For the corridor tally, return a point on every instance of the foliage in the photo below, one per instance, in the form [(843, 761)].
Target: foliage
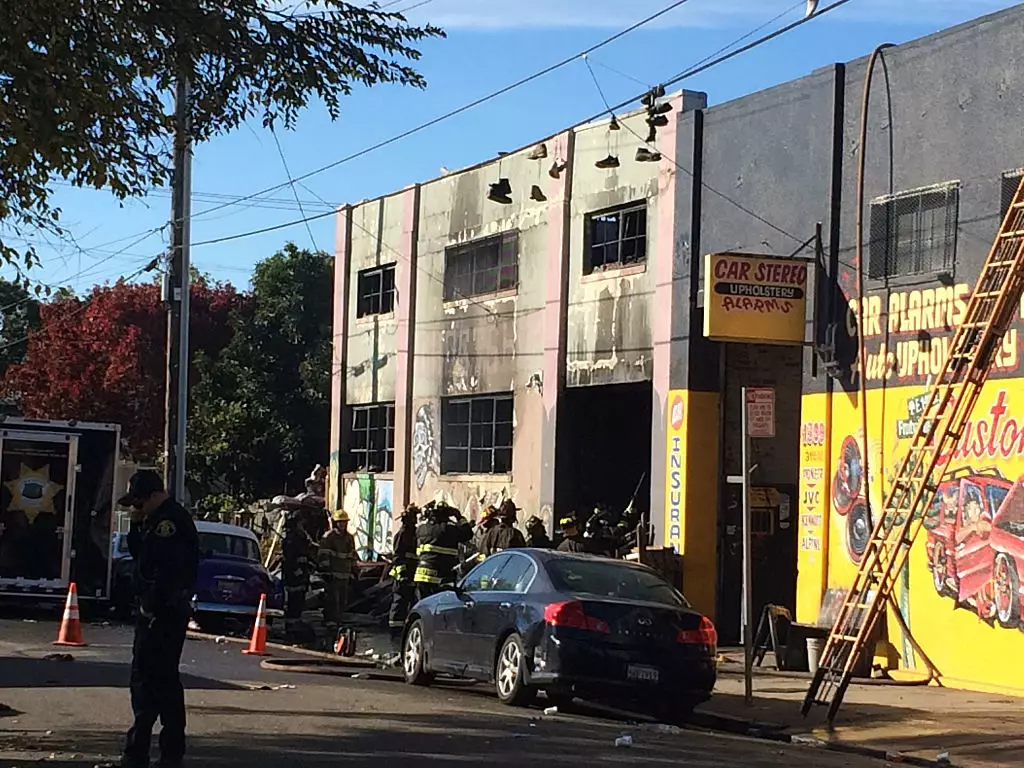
[(102, 358), (19, 313), (88, 83), (261, 410)]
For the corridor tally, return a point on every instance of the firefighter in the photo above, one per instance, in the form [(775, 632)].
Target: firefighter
[(336, 559), (599, 533), (296, 568), (537, 534), (165, 551), (437, 548), (488, 520), (403, 590), (572, 540), (504, 535)]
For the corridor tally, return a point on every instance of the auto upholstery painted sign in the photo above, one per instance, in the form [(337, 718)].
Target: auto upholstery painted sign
[(759, 299)]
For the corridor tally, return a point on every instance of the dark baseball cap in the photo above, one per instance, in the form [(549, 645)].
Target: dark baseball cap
[(141, 486)]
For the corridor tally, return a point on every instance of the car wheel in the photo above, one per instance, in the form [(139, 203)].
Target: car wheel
[(1007, 592), (510, 674), (414, 656)]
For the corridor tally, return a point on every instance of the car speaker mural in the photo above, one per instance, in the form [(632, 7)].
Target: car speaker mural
[(849, 500)]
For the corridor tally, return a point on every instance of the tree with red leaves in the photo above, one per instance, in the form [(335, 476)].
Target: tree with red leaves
[(102, 358)]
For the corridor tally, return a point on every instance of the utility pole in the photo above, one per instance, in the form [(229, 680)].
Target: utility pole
[(176, 294)]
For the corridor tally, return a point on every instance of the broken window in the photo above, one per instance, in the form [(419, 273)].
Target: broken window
[(476, 435), (376, 289), (372, 439), (1010, 182), (616, 238), (482, 267), (914, 233)]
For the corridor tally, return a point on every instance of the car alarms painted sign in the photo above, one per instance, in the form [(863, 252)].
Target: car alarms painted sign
[(759, 299)]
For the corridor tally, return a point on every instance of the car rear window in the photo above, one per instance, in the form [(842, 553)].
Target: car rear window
[(609, 578), (226, 544)]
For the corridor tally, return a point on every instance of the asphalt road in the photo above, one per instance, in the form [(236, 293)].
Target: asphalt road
[(73, 713)]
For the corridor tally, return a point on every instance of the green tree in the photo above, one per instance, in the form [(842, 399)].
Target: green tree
[(260, 414), (87, 85), (19, 314)]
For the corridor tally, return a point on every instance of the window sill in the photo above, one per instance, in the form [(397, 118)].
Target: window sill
[(367, 320), (389, 475), (485, 297), (615, 272), (465, 477)]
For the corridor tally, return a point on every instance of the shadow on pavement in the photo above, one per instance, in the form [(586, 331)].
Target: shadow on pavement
[(20, 672)]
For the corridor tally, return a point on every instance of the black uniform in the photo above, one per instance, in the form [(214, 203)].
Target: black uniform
[(296, 566), (437, 550), (403, 590), (503, 536), (165, 551), (574, 544)]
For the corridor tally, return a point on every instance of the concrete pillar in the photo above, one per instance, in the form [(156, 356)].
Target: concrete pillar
[(405, 310), (339, 352)]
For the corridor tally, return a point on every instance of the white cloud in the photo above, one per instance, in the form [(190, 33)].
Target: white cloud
[(616, 14)]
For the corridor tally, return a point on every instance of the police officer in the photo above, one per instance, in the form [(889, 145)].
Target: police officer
[(164, 546), (403, 590), (505, 535), (295, 568), (537, 534), (336, 559), (437, 548), (572, 540)]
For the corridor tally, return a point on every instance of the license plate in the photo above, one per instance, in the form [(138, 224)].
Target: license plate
[(642, 674), (229, 587)]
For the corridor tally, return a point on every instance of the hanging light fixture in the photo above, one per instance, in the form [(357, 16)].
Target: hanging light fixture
[(501, 192)]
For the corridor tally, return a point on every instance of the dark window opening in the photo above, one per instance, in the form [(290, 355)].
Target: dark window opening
[(616, 238), (376, 291), (1011, 181), (476, 435), (914, 234), (482, 267), (372, 440)]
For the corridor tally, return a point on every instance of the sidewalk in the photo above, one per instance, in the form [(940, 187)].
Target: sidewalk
[(914, 720)]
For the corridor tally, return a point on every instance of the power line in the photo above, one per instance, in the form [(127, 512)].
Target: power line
[(295, 192)]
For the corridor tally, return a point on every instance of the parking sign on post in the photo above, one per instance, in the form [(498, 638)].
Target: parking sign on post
[(760, 412)]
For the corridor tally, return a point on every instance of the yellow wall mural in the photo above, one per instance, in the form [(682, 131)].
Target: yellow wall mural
[(961, 590)]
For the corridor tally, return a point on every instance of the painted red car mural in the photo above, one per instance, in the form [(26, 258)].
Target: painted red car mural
[(976, 543)]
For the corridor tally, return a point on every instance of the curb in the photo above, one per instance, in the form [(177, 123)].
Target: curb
[(335, 667), (352, 661)]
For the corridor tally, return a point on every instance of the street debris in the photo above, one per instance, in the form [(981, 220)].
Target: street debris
[(270, 687), (943, 758), (59, 657), (551, 710), (807, 741), (673, 730), (895, 757), (220, 640), (359, 676), (625, 740)]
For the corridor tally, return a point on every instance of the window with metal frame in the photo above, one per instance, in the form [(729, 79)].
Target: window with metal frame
[(914, 233), (372, 439), (616, 238), (1008, 190), (376, 291), (482, 267), (476, 435)]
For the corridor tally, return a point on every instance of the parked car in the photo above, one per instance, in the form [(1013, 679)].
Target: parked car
[(122, 598), (232, 577), (571, 625)]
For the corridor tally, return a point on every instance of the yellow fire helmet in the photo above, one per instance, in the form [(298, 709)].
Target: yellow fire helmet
[(340, 516)]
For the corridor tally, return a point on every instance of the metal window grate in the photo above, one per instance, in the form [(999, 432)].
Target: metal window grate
[(482, 267), (616, 238), (376, 291), (1010, 183), (372, 440), (914, 233), (476, 435)]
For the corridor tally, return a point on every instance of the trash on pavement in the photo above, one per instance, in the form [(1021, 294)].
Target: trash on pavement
[(943, 758), (551, 710), (624, 741), (807, 741), (895, 757), (359, 676), (665, 728), (220, 639)]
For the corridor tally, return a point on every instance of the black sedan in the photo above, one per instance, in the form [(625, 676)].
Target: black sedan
[(571, 625)]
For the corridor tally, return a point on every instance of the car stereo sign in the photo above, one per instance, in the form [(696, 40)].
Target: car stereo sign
[(759, 299)]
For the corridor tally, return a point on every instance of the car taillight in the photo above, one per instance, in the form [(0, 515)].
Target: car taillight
[(705, 634), (571, 614)]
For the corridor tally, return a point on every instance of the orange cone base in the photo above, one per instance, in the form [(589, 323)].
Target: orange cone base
[(70, 643)]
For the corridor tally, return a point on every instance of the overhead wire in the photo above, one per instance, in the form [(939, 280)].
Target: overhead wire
[(295, 192)]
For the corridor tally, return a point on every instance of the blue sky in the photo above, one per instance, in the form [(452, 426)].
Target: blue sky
[(486, 49)]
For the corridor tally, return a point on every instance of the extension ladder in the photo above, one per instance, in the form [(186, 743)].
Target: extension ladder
[(970, 357)]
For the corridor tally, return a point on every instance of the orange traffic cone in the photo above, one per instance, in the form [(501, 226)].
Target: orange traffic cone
[(258, 644), (71, 625)]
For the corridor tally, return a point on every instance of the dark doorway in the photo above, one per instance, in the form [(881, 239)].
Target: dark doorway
[(603, 453)]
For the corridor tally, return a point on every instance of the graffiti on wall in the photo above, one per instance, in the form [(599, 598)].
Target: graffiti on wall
[(425, 458), (473, 500), (369, 504)]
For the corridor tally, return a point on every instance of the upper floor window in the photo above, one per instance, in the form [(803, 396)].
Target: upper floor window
[(482, 267), (372, 439), (914, 233), (476, 435), (616, 238), (1010, 182), (376, 289)]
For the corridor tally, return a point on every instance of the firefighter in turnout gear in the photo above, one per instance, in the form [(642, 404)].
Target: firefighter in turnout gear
[(297, 550), (505, 535), (488, 520), (572, 540), (403, 590), (537, 535), (336, 560), (437, 548)]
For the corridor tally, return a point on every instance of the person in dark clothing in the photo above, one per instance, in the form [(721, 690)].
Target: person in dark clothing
[(572, 540), (599, 533), (437, 548), (296, 568), (164, 546), (537, 534), (403, 590), (504, 535)]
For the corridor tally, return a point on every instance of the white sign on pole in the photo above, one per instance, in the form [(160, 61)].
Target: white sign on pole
[(760, 412)]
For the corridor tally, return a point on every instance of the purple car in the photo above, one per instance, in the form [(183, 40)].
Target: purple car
[(232, 576)]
